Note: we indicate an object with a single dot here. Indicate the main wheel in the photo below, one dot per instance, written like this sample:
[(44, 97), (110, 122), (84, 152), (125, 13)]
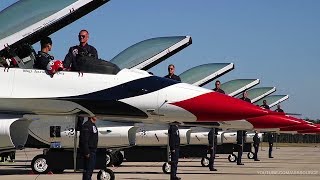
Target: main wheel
[(250, 155), (166, 167), (232, 158), (39, 164), (108, 159), (205, 162), (106, 174), (118, 158)]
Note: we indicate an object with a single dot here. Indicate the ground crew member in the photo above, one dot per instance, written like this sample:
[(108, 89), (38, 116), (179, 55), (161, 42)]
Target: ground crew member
[(88, 142), (218, 87), (171, 74), (82, 50), (279, 108), (245, 97), (43, 58), (270, 140), (265, 105), (240, 138), (256, 142), (174, 143), (212, 138)]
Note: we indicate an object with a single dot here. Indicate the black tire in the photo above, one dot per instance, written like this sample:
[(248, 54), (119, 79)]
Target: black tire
[(39, 164), (250, 155), (109, 159), (118, 158), (205, 162), (166, 168), (57, 171), (106, 174), (232, 158)]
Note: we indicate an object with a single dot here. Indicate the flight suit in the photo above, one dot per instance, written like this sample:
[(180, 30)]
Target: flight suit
[(270, 140), (174, 143), (174, 77), (42, 60), (88, 142), (256, 142), (75, 52), (212, 138), (246, 99)]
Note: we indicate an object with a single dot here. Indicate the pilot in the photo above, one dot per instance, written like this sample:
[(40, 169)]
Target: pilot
[(245, 97), (43, 58), (83, 49), (212, 138), (218, 88), (279, 108), (265, 105), (256, 142), (174, 143), (270, 140), (88, 142), (240, 141), (171, 74)]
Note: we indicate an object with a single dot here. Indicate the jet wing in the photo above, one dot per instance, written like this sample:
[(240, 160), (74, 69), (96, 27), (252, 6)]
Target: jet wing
[(236, 86), (27, 21), (259, 93), (203, 74), (273, 100), (148, 53)]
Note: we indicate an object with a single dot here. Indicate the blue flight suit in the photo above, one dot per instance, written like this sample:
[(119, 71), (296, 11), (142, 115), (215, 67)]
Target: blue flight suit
[(212, 138), (270, 140), (174, 143), (256, 142)]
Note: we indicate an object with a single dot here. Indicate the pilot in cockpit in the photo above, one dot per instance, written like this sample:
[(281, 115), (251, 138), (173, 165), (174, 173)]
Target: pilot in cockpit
[(43, 57)]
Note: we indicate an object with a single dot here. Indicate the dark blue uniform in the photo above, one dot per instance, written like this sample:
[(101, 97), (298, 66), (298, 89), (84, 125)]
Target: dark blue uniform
[(279, 110), (70, 61), (212, 139), (174, 143), (256, 142), (240, 141), (219, 90), (270, 140), (42, 60), (265, 106), (174, 77), (88, 142), (246, 99)]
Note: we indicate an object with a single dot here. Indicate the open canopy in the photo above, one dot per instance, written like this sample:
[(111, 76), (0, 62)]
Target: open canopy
[(236, 86), (256, 94), (27, 21), (273, 100), (148, 53), (203, 74)]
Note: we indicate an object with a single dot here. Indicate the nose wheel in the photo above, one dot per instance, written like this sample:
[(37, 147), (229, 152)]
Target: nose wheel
[(232, 158), (39, 164), (250, 155), (166, 167), (105, 174), (205, 162)]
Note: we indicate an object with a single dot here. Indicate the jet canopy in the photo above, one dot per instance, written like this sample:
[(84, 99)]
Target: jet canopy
[(256, 94), (237, 86), (273, 100)]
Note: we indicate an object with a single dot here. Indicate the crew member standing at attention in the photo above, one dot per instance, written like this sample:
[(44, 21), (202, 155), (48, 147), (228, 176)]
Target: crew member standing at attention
[(212, 138), (270, 140), (43, 57), (279, 108), (218, 87), (81, 50), (174, 143), (256, 142), (245, 96), (265, 105), (240, 146), (171, 74), (88, 142)]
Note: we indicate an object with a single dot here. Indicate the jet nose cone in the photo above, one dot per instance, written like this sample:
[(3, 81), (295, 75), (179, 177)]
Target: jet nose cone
[(214, 106)]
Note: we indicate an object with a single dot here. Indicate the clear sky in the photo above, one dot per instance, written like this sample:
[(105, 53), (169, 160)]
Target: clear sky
[(275, 41)]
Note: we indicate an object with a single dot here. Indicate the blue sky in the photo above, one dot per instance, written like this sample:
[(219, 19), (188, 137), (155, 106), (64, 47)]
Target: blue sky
[(275, 41)]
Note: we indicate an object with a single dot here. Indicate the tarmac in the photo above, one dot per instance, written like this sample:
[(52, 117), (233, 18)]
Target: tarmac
[(288, 163)]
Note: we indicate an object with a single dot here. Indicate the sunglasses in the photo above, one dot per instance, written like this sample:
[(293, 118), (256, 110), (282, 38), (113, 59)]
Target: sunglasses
[(170, 68), (81, 36)]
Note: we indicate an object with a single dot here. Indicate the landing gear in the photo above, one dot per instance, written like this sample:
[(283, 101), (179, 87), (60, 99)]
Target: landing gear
[(39, 164), (118, 158), (108, 159), (166, 167), (232, 158), (250, 155), (106, 174), (205, 162)]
